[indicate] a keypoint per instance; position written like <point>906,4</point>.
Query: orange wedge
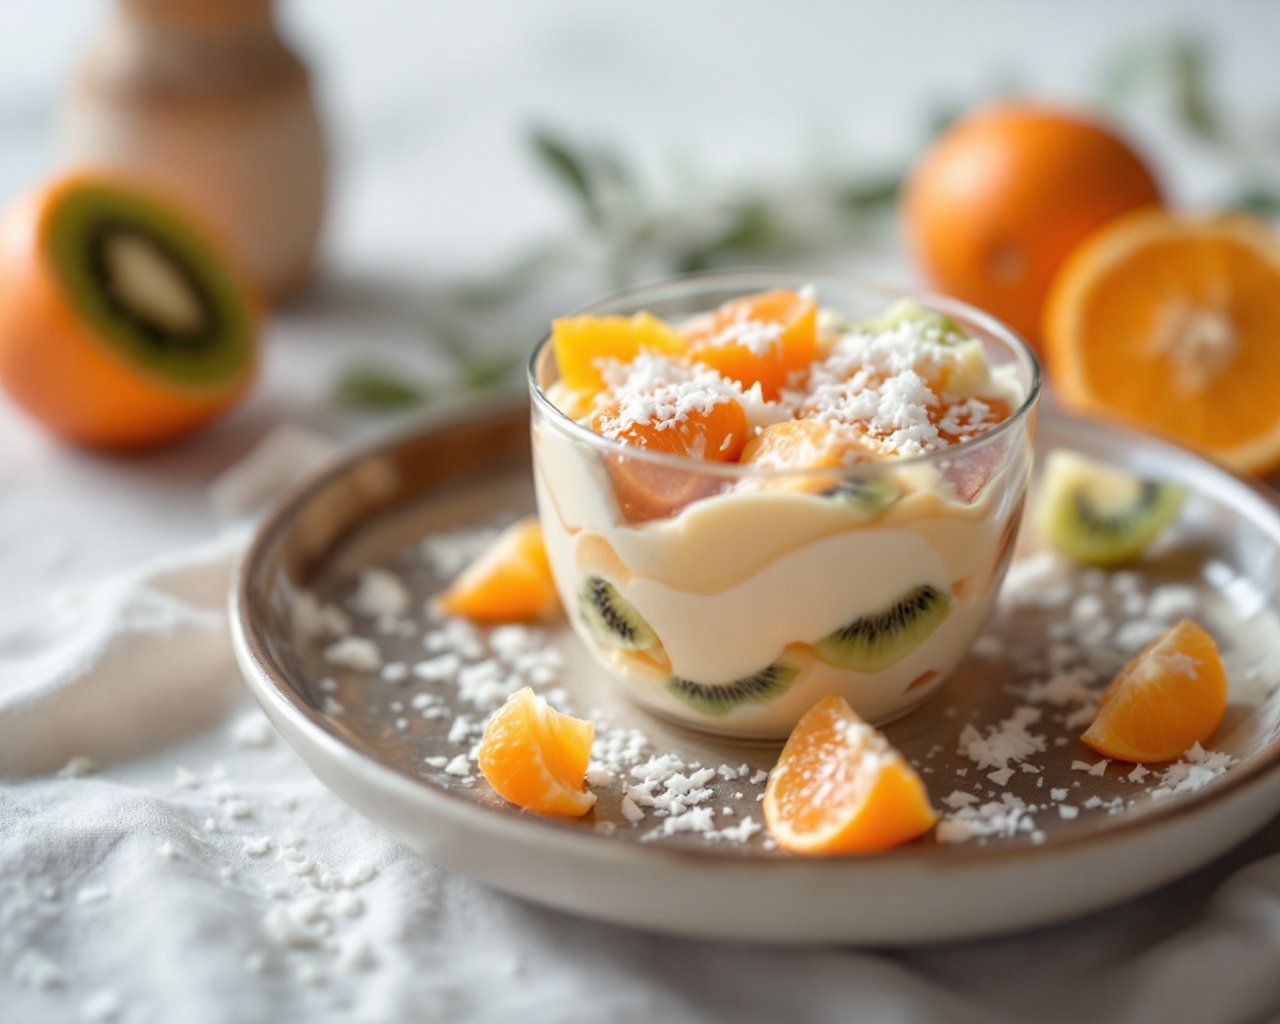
<point>583,343</point>
<point>764,338</point>
<point>537,758</point>
<point>510,582</point>
<point>1169,698</point>
<point>839,787</point>
<point>1171,323</point>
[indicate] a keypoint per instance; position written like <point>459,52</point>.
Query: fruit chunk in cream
<point>730,558</point>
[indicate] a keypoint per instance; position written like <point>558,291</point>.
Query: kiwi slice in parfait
<point>868,495</point>
<point>878,639</point>
<point>612,619</point>
<point>1099,514</point>
<point>718,699</point>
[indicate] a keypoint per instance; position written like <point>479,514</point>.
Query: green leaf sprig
<point>623,229</point>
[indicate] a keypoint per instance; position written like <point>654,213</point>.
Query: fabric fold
<point>121,666</point>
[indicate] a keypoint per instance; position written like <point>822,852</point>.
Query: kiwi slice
<point>1099,514</point>
<point>152,286</point>
<point>869,495</point>
<point>612,619</point>
<point>878,639</point>
<point>910,311</point>
<point>717,699</point>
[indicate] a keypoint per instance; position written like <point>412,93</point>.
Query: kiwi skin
<point>718,699</point>
<point>612,619</point>
<point>879,639</point>
<point>1099,514</point>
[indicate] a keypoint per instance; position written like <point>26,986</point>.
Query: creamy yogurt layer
<point>853,543</point>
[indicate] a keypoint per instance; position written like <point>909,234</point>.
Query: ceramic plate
<point>1034,837</point>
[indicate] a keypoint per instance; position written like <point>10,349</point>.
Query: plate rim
<point>266,679</point>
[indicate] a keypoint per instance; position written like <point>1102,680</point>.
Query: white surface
<point>216,880</point>
<point>428,103</point>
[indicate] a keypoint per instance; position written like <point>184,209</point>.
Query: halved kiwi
<point>612,619</point>
<point>152,285</point>
<point>718,699</point>
<point>1099,514</point>
<point>121,322</point>
<point>879,639</point>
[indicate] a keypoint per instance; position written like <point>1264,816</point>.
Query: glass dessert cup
<point>731,597</point>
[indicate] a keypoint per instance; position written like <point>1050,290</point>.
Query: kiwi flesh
<point>1099,514</point>
<point>612,619</point>
<point>154,288</point>
<point>878,639</point>
<point>910,311</point>
<point>718,699</point>
<point>868,495</point>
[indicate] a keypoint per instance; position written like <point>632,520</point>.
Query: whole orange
<point>1004,195</point>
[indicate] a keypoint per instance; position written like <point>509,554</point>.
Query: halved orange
<point>1172,322</point>
<point>510,581</point>
<point>536,757</point>
<point>840,787</point>
<point>583,342</point>
<point>764,337</point>
<point>1169,698</point>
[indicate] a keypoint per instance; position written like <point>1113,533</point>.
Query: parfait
<point>756,492</point>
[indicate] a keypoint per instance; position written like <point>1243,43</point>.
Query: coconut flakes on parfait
<point>658,391</point>
<point>758,337</point>
<point>888,383</point>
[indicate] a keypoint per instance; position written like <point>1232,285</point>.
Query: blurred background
<point>495,163</point>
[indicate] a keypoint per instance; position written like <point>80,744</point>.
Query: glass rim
<point>762,278</point>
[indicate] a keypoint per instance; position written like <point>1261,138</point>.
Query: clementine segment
<point>1170,697</point>
<point>761,338</point>
<point>583,343</point>
<point>806,445</point>
<point>959,420</point>
<point>646,490</point>
<point>536,757</point>
<point>510,582</point>
<point>1171,322</point>
<point>1002,198</point>
<point>839,787</point>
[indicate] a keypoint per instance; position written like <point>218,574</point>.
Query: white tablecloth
<point>213,879</point>
<point>172,882</point>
